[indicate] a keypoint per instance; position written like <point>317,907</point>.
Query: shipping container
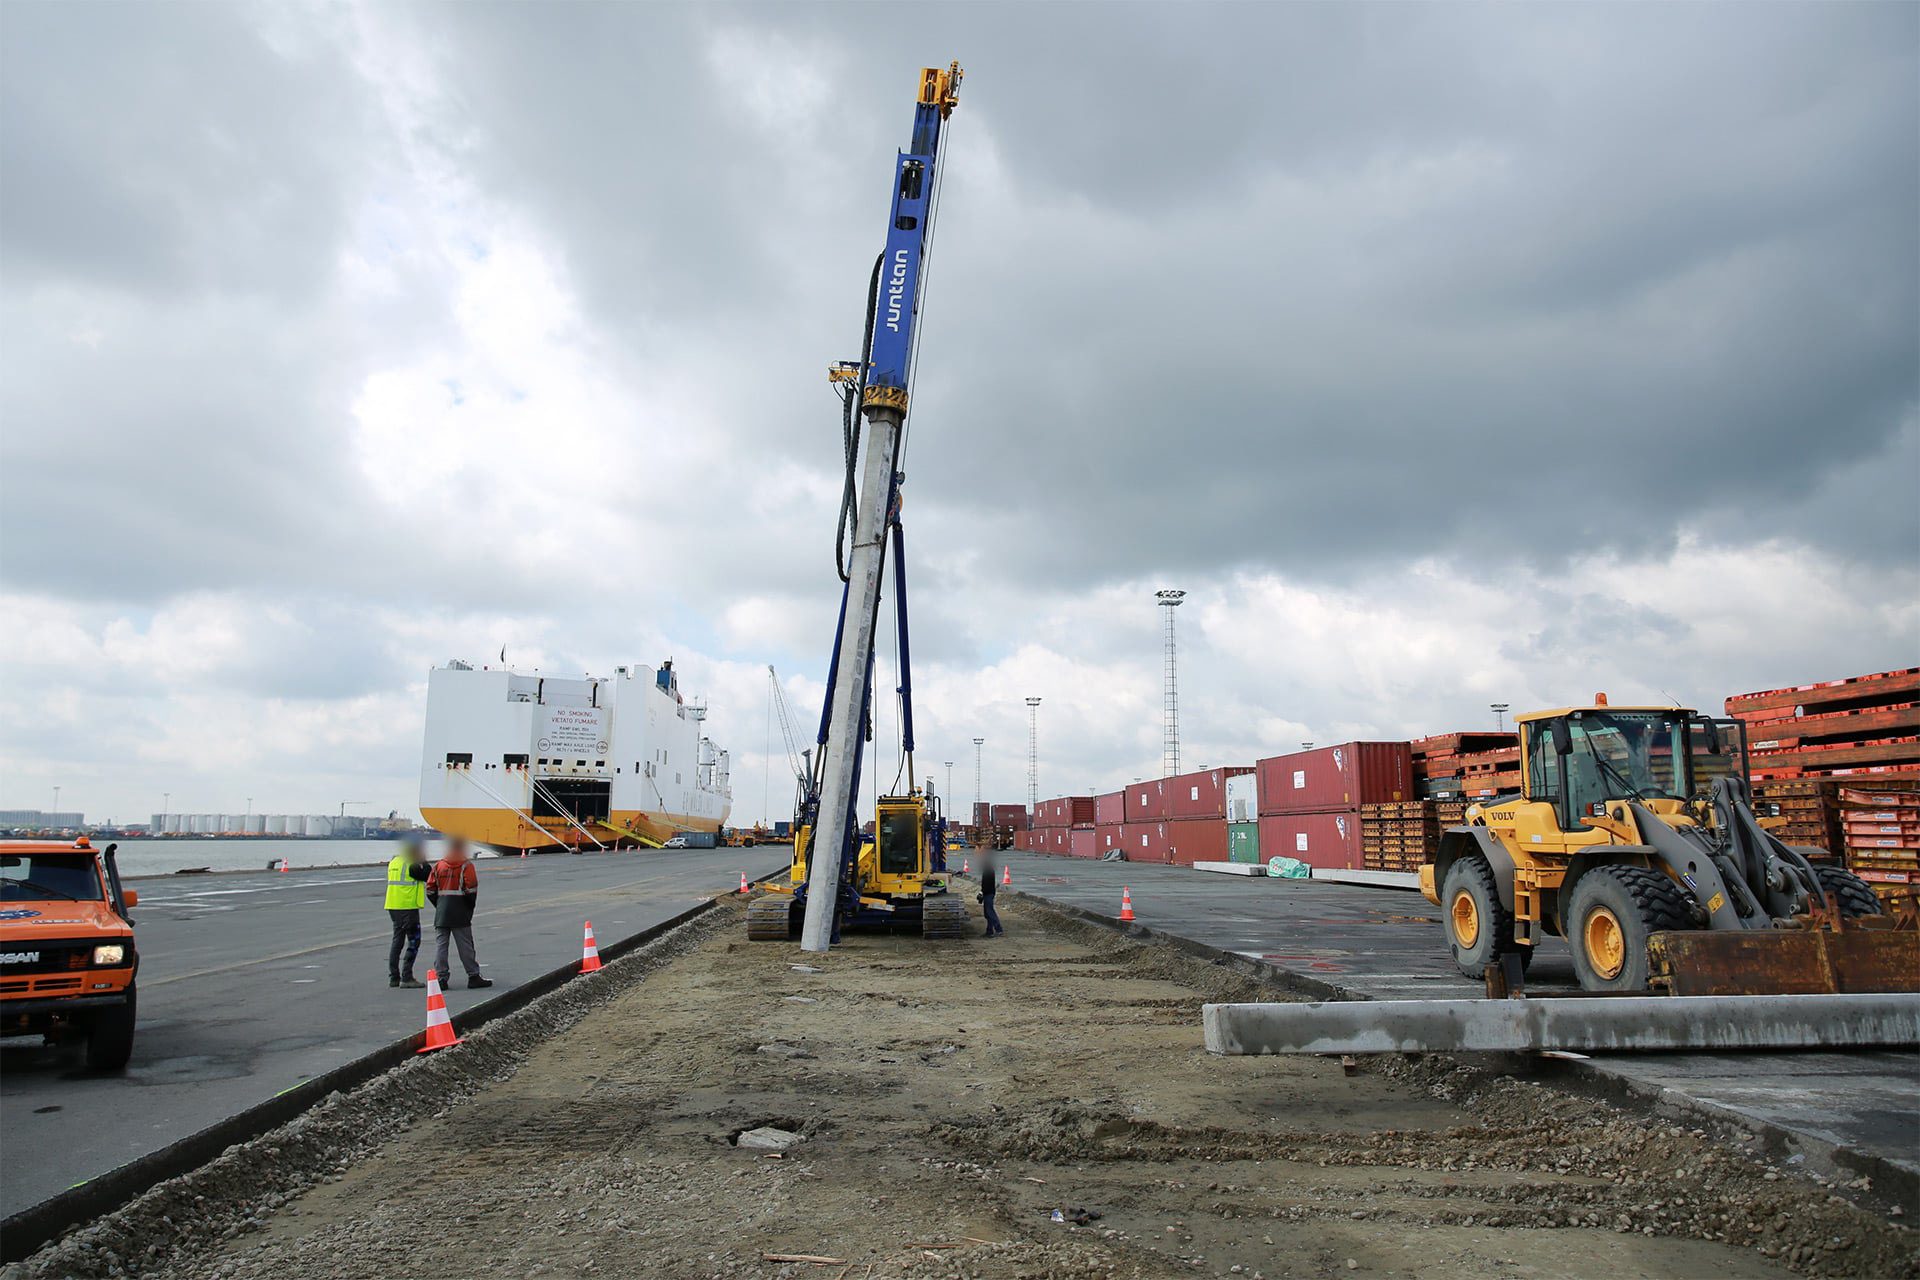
<point>1066,811</point>
<point>1330,840</point>
<point>1144,841</point>
<point>1243,797</point>
<point>1191,840</point>
<point>1010,815</point>
<point>1342,777</point>
<point>1110,810</point>
<point>1082,842</point>
<point>1107,837</point>
<point>1147,801</point>
<point>1243,842</point>
<point>1202,794</point>
<point>698,839</point>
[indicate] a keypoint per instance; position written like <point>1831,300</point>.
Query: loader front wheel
<point>1613,912</point>
<point>1479,929</point>
<point>1855,897</point>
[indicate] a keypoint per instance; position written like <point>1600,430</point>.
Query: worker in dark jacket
<point>451,888</point>
<point>406,893</point>
<point>989,885</point>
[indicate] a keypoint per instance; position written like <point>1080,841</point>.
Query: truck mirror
<point>1714,746</point>
<point>1562,738</point>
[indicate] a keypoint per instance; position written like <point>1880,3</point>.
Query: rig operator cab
<point>67,956</point>
<point>1636,838</point>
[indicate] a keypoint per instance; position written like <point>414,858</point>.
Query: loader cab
<point>1578,759</point>
<point>900,836</point>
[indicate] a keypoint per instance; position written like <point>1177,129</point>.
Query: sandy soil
<point>952,1097</point>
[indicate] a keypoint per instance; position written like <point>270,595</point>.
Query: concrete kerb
<point>1893,1184</point>
<point>25,1232</point>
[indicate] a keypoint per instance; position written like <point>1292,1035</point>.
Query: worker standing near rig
<point>407,873</point>
<point>989,885</point>
<point>453,887</point>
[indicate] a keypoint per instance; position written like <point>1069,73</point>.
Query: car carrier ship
<point>525,761</point>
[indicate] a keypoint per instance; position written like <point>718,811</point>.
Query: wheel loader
<point>899,878</point>
<point>1636,838</point>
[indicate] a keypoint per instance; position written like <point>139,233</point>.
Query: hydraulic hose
<point>850,428</point>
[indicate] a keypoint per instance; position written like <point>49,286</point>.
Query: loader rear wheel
<point>1855,896</point>
<point>1613,912</point>
<point>1479,929</point>
<point>943,916</point>
<point>770,919</point>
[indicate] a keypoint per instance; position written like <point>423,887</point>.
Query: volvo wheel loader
<point>899,878</point>
<point>1635,837</point>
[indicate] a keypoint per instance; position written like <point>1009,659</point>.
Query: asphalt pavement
<point>1386,944</point>
<point>253,982</point>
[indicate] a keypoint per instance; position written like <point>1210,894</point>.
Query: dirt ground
<point>952,1098</point>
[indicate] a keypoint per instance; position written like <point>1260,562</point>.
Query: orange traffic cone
<point>1006,875</point>
<point>966,867</point>
<point>744,890</point>
<point>1126,904</point>
<point>286,865</point>
<point>589,952</point>
<point>439,1026</point>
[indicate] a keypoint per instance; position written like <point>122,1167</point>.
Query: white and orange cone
<point>744,890</point>
<point>439,1025</point>
<point>1126,904</point>
<point>589,952</point>
<point>1006,876</point>
<point>286,865</point>
<point>966,867</point>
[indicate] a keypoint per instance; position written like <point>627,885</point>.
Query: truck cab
<point>67,954</point>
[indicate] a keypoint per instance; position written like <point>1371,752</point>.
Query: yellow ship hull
<point>508,831</point>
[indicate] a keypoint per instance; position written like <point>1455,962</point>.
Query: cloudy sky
<point>1443,354</point>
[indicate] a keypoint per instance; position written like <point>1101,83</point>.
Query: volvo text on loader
<point>1635,838</point>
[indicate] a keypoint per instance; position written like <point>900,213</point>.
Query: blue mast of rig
<point>878,384</point>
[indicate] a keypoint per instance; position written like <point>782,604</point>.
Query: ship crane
<point>877,387</point>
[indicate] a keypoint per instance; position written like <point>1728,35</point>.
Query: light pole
<point>1033,754</point>
<point>948,798</point>
<point>1170,691</point>
<point>56,801</point>
<point>166,803</point>
<point>977,742</point>
<point>1499,710</point>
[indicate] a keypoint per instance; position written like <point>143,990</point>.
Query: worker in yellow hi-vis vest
<point>406,894</point>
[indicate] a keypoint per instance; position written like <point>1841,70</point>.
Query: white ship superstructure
<point>521,760</point>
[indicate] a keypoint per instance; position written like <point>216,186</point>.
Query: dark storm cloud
<point>1305,286</point>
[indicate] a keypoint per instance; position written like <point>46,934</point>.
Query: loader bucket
<point>1818,961</point>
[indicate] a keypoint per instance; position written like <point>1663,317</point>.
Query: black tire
<point>1641,902</point>
<point>110,1036</point>
<point>1492,923</point>
<point>1855,896</point>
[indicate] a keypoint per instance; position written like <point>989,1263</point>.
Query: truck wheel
<point>1613,912</point>
<point>1855,897</point>
<point>1479,929</point>
<point>110,1036</point>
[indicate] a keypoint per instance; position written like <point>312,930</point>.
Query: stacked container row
<point>1309,801</point>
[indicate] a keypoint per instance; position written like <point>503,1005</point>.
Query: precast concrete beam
<point>1594,1024</point>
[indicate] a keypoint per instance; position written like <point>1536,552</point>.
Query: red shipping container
<point>1202,794</point>
<point>1010,815</point>
<point>1342,777</point>
<point>1107,836</point>
<point>1110,810</point>
<point>982,813</point>
<point>1081,843</point>
<point>1191,840</point>
<point>1147,801</point>
<point>1329,840</point>
<point>1067,811</point>
<point>1144,841</point>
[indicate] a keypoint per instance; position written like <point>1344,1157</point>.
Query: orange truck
<point>67,959</point>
